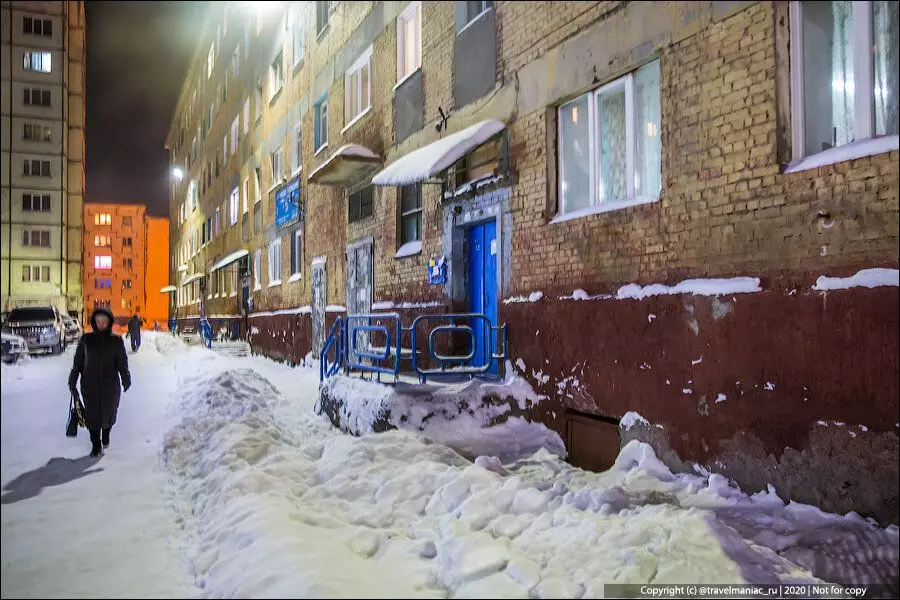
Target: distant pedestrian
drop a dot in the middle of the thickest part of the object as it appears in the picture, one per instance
(155, 325)
(134, 332)
(102, 365)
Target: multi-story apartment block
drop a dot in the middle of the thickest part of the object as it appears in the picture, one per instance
(42, 146)
(125, 262)
(652, 196)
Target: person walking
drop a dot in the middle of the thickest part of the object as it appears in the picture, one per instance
(102, 365)
(134, 332)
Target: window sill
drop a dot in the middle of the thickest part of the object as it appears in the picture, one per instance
(296, 171)
(274, 283)
(320, 148)
(321, 33)
(602, 208)
(477, 17)
(271, 189)
(851, 151)
(356, 119)
(295, 278)
(297, 64)
(232, 294)
(274, 96)
(257, 288)
(405, 77)
(409, 249)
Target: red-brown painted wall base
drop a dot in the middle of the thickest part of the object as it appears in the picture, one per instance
(286, 338)
(749, 385)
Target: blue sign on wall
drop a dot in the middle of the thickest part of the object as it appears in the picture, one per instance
(437, 271)
(287, 204)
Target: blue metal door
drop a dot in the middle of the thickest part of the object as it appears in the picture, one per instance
(482, 289)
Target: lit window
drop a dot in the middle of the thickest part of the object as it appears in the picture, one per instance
(358, 87)
(609, 144)
(103, 262)
(409, 40)
(37, 61)
(102, 219)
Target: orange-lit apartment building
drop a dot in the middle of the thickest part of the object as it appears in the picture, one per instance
(125, 262)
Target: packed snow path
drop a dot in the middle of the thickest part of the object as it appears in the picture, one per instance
(273, 502)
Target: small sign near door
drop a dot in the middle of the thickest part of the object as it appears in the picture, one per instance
(437, 271)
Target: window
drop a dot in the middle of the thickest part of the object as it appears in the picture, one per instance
(296, 254)
(102, 219)
(37, 61)
(276, 74)
(246, 116)
(358, 87)
(102, 284)
(210, 60)
(217, 221)
(36, 97)
(297, 154)
(126, 221)
(208, 229)
(35, 273)
(102, 241)
(276, 166)
(234, 206)
(126, 284)
(36, 168)
(235, 132)
(246, 205)
(322, 10)
(844, 73)
(410, 213)
(36, 202)
(298, 42)
(609, 145)
(35, 132)
(466, 12)
(224, 151)
(256, 268)
(37, 238)
(103, 262)
(236, 62)
(321, 124)
(409, 40)
(275, 262)
(360, 205)
(259, 97)
(127, 242)
(43, 27)
(127, 263)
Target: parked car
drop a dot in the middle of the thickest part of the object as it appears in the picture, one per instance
(14, 347)
(41, 326)
(72, 328)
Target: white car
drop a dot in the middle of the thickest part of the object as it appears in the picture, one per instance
(73, 329)
(14, 347)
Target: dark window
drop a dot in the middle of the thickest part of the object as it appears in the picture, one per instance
(126, 221)
(467, 11)
(36, 97)
(410, 213)
(360, 204)
(126, 242)
(36, 202)
(296, 247)
(36, 168)
(42, 27)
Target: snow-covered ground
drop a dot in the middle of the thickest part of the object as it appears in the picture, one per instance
(222, 482)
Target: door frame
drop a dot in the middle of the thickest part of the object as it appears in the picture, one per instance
(319, 261)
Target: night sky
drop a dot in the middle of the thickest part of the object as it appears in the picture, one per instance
(137, 55)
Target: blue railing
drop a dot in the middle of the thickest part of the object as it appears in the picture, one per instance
(173, 325)
(349, 345)
(206, 332)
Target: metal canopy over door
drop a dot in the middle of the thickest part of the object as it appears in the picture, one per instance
(482, 288)
(360, 267)
(319, 287)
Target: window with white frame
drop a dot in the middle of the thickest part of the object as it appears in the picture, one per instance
(358, 87)
(246, 201)
(36, 202)
(322, 13)
(35, 273)
(276, 74)
(36, 168)
(37, 97)
(217, 221)
(37, 61)
(224, 150)
(103, 262)
(297, 150)
(257, 266)
(296, 254)
(609, 144)
(321, 124)
(469, 11)
(233, 206)
(236, 62)
(35, 132)
(39, 238)
(210, 60)
(298, 41)
(409, 40)
(276, 166)
(844, 73)
(235, 133)
(246, 116)
(410, 213)
(275, 262)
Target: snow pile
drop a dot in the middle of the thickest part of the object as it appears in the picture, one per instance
(532, 297)
(867, 278)
(697, 287)
(630, 419)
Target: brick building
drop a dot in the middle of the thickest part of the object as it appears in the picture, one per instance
(330, 150)
(126, 262)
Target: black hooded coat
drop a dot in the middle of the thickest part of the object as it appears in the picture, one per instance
(101, 362)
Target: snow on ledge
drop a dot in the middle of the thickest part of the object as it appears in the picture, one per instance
(388, 305)
(533, 297)
(335, 308)
(630, 419)
(300, 310)
(867, 278)
(851, 151)
(409, 249)
(294, 278)
(697, 287)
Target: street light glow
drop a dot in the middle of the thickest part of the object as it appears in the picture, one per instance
(177, 173)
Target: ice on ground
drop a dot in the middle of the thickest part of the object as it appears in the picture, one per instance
(697, 287)
(867, 278)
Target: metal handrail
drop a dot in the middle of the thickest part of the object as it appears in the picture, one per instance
(334, 339)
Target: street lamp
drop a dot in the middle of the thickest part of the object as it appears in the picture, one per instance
(177, 173)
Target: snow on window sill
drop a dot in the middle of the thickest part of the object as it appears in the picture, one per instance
(851, 151)
(320, 148)
(294, 278)
(275, 95)
(296, 171)
(478, 16)
(232, 294)
(275, 283)
(405, 77)
(409, 249)
(602, 208)
(356, 119)
(257, 287)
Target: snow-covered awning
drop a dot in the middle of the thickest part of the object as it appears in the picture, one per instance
(168, 289)
(182, 268)
(236, 255)
(438, 156)
(349, 165)
(192, 279)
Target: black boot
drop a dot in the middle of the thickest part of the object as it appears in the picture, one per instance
(96, 450)
(105, 437)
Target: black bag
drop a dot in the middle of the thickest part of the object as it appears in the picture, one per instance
(76, 416)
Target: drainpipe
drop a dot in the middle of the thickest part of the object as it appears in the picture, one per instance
(63, 251)
(9, 180)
